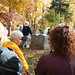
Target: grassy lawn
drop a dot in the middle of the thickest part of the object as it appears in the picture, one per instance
(32, 57)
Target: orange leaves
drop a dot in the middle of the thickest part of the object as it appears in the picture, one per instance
(17, 16)
(6, 16)
(29, 5)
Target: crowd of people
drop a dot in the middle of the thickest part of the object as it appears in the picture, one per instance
(61, 61)
(10, 63)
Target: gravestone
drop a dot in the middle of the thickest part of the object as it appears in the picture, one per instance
(39, 41)
(37, 32)
(45, 31)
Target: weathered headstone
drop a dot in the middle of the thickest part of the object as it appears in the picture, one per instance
(39, 41)
(45, 31)
(37, 32)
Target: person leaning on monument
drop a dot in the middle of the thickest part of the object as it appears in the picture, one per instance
(10, 64)
(62, 60)
(15, 40)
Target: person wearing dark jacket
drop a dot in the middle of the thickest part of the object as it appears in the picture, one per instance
(62, 60)
(10, 64)
(26, 31)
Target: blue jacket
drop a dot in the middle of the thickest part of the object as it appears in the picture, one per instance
(10, 64)
(26, 30)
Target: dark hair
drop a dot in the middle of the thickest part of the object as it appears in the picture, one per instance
(62, 40)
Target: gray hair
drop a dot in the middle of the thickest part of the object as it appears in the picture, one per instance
(26, 22)
(16, 34)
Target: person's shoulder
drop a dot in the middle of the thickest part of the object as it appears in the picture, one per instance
(48, 56)
(6, 51)
(2, 48)
(45, 56)
(27, 26)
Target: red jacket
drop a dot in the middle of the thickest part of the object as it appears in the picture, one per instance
(52, 64)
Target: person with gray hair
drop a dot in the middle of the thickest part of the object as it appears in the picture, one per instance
(15, 36)
(10, 64)
(15, 40)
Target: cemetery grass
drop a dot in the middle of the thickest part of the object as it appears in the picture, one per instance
(32, 56)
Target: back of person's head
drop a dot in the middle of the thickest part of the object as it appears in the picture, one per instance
(62, 40)
(16, 34)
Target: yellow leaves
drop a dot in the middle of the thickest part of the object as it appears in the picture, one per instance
(4, 2)
(72, 9)
(29, 5)
(72, 6)
(3, 9)
(19, 6)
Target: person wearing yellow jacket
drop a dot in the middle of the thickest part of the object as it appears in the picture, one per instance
(16, 38)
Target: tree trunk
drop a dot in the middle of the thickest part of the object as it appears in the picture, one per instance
(9, 24)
